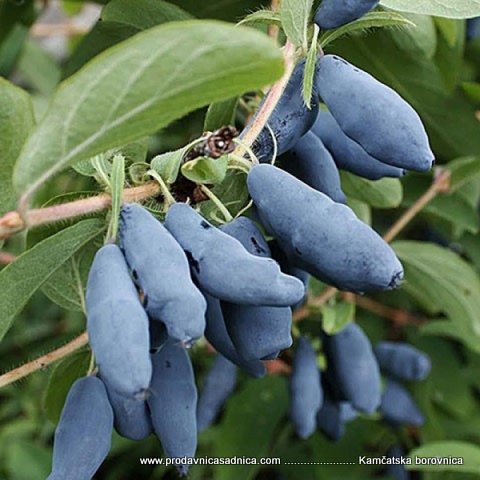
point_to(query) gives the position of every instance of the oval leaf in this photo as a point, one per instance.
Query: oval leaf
(438, 8)
(139, 86)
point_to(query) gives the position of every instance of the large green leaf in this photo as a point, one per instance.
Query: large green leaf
(250, 421)
(16, 121)
(232, 10)
(469, 452)
(22, 278)
(443, 283)
(438, 8)
(142, 14)
(139, 86)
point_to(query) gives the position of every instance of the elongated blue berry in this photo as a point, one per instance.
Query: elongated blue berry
(349, 155)
(322, 237)
(117, 324)
(312, 163)
(217, 334)
(473, 28)
(224, 268)
(354, 367)
(398, 406)
(329, 419)
(402, 361)
(289, 121)
(131, 415)
(257, 332)
(374, 115)
(218, 386)
(84, 433)
(335, 13)
(306, 394)
(161, 269)
(397, 471)
(173, 402)
(347, 412)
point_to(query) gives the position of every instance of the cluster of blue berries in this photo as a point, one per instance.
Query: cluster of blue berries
(168, 284)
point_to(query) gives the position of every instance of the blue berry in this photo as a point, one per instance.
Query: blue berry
(322, 237)
(84, 433)
(162, 271)
(398, 406)
(218, 386)
(374, 115)
(117, 324)
(349, 155)
(335, 13)
(225, 269)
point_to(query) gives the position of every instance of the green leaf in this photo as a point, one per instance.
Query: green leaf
(370, 20)
(438, 8)
(463, 170)
(204, 170)
(469, 452)
(362, 210)
(38, 68)
(231, 10)
(167, 165)
(384, 193)
(16, 121)
(142, 14)
(420, 40)
(127, 92)
(232, 192)
(117, 183)
(310, 66)
(11, 49)
(22, 278)
(451, 207)
(295, 15)
(265, 17)
(62, 378)
(335, 318)
(250, 421)
(37, 466)
(472, 89)
(443, 283)
(221, 114)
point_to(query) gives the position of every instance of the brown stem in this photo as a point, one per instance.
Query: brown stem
(43, 361)
(441, 184)
(399, 317)
(273, 30)
(12, 222)
(271, 100)
(68, 29)
(6, 258)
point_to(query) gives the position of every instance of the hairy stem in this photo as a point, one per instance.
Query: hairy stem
(12, 222)
(271, 100)
(44, 361)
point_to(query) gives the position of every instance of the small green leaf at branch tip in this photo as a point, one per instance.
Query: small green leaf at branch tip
(376, 19)
(310, 66)
(295, 15)
(167, 165)
(264, 16)
(205, 170)
(117, 183)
